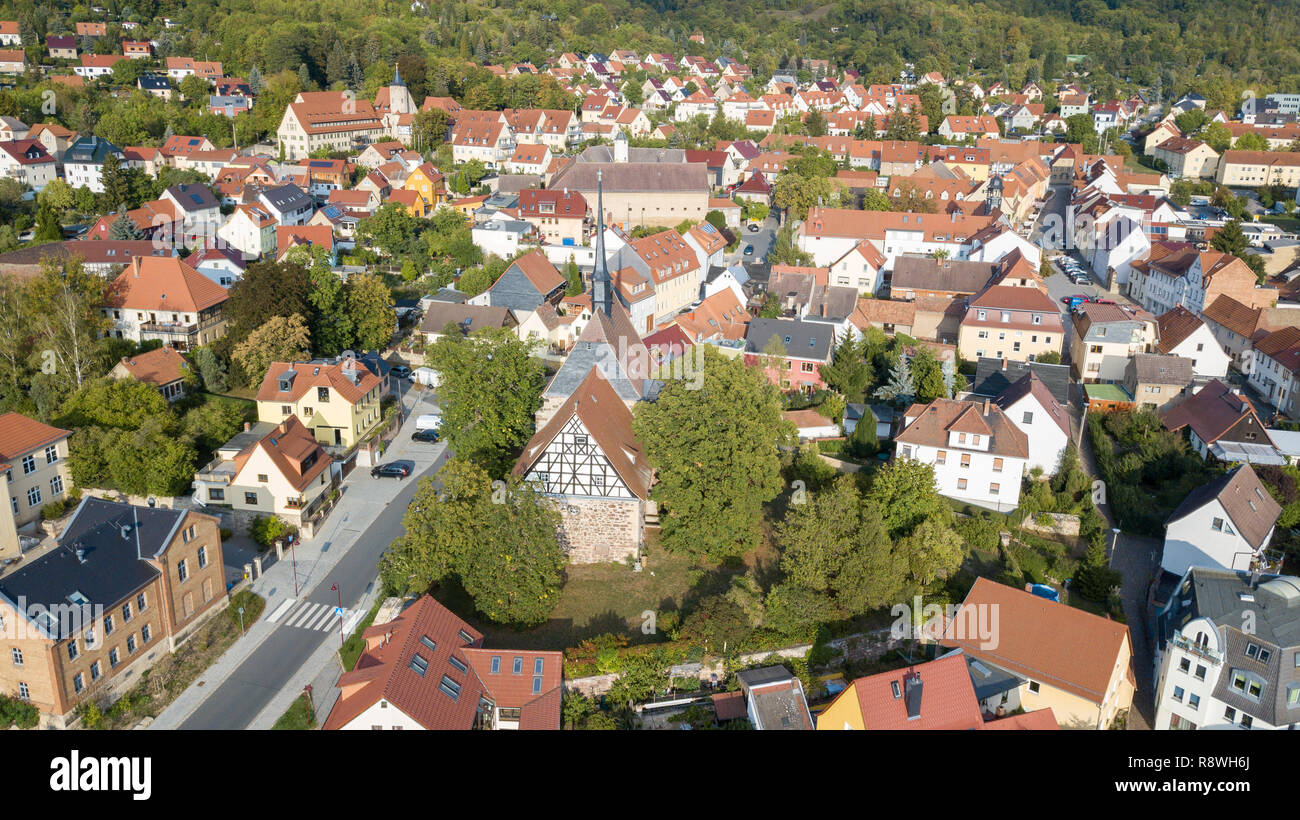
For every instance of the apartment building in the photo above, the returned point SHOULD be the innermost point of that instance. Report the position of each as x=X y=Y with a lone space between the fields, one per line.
x=337 y=401
x=33 y=472
x=123 y=586
x=1105 y=337
x=163 y=298
x=979 y=456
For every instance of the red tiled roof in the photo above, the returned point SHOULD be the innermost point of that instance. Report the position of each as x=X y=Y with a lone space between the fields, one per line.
x=20 y=435
x=163 y=283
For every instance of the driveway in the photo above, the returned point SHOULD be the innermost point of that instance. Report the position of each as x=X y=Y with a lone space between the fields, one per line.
x=762 y=240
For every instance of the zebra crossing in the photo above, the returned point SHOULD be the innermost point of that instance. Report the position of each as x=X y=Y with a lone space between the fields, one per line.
x=318 y=617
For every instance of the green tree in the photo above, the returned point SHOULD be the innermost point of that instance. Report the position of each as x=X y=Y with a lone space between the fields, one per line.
x=927 y=376
x=124 y=228
x=863 y=443
x=501 y=542
x=572 y=278
x=1250 y=141
x=715 y=450
x=370 y=306
x=489 y=390
x=932 y=552
x=281 y=339
x=849 y=371
x=65 y=303
x=211 y=370
x=266 y=290
x=904 y=492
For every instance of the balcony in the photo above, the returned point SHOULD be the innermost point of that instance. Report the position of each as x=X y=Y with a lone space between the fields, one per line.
x=1192 y=648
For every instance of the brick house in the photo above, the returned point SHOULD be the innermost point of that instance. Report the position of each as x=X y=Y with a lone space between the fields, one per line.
x=124 y=585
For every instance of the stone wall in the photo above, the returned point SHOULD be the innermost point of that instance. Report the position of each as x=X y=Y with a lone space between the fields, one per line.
x=594 y=530
x=1061 y=524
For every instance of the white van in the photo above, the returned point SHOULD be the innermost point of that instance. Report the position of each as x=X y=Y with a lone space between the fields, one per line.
x=426 y=376
x=429 y=421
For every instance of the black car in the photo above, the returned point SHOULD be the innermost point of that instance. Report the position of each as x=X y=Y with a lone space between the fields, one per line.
x=432 y=436
x=753 y=228
x=393 y=469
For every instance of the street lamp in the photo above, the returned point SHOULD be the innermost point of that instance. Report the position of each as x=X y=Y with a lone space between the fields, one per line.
x=293 y=558
x=340 y=592
x=1114 y=542
x=241 y=621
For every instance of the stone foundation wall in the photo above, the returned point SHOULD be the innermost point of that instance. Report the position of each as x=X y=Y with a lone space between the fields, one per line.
x=598 y=530
x=1061 y=524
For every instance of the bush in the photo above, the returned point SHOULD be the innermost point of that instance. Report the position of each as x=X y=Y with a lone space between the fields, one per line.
x=978 y=532
x=266 y=529
x=54 y=510
x=15 y=712
x=226 y=533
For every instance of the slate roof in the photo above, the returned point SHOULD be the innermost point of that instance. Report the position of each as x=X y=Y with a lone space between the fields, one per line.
x=611 y=343
x=948 y=275
x=806 y=340
x=1248 y=503
x=1150 y=368
x=469 y=317
x=116 y=539
x=993 y=376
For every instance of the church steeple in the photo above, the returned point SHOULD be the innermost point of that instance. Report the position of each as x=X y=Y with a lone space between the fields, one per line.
x=397 y=76
x=602 y=292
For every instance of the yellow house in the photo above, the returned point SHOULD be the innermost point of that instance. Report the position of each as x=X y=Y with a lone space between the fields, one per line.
x=277 y=469
x=1071 y=661
x=338 y=402
x=411 y=200
x=33 y=472
x=428 y=183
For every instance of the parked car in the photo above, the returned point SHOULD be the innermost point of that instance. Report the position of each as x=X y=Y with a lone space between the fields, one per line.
x=428 y=421
x=749 y=249
x=430 y=435
x=1072 y=301
x=1104 y=301
x=753 y=227
x=393 y=469
x=401 y=371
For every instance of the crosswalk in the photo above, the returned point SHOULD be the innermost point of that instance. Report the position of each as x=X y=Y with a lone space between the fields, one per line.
x=318 y=617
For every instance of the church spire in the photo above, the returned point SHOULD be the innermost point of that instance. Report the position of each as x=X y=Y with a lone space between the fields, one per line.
x=602 y=294
x=397 y=76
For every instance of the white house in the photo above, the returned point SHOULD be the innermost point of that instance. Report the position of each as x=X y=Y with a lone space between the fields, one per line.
x=1213 y=673
x=979 y=456
x=1275 y=368
x=501 y=235
x=250 y=230
x=1033 y=409
x=1184 y=334
x=1226 y=523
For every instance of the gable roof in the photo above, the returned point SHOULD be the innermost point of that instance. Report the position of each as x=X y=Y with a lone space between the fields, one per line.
x=1030 y=385
x=605 y=416
x=20 y=435
x=1175 y=326
x=1042 y=640
x=294 y=451
x=1245 y=499
x=934 y=421
x=993 y=376
x=388 y=670
x=1211 y=412
x=939 y=693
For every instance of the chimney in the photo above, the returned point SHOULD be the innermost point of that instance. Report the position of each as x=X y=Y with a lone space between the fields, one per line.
x=247 y=427
x=912 y=694
x=1004 y=364
x=81 y=556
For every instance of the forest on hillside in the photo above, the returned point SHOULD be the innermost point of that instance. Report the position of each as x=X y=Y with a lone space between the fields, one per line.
x=1217 y=47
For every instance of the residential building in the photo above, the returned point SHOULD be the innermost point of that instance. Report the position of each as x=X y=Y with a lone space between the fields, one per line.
x=1187 y=158
x=1012 y=318
x=938 y=695
x=671 y=268
x=164 y=368
x=84 y=161
x=1106 y=337
x=1180 y=273
x=1213 y=673
x=33 y=472
x=250 y=229
x=1220 y=422
x=1254 y=169
x=978 y=454
x=271 y=469
x=468 y=318
x=157 y=574
x=287 y=204
x=338 y=401
x=1225 y=524
x=588 y=462
x=1184 y=334
x=528 y=283
x=1065 y=659
x=774 y=699
x=791 y=352
x=163 y=298
x=558 y=216
x=1236 y=325
x=647 y=186
x=1033 y=409
x=27 y=161
x=1275 y=370
x=1157 y=381
x=427 y=669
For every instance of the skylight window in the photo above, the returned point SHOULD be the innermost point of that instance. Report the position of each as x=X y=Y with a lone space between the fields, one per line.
x=458 y=664
x=419 y=664
x=429 y=642
x=450 y=688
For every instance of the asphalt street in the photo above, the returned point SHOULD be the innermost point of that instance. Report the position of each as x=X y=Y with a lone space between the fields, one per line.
x=243 y=695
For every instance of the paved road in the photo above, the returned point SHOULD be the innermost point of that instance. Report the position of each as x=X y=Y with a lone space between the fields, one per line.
x=1138 y=559
x=243 y=695
x=762 y=240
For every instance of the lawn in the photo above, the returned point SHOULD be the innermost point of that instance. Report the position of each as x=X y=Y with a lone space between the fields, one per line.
x=612 y=598
x=1290 y=224
x=299 y=716
x=244 y=405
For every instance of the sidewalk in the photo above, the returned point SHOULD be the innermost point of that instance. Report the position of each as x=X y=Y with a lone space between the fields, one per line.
x=364 y=500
